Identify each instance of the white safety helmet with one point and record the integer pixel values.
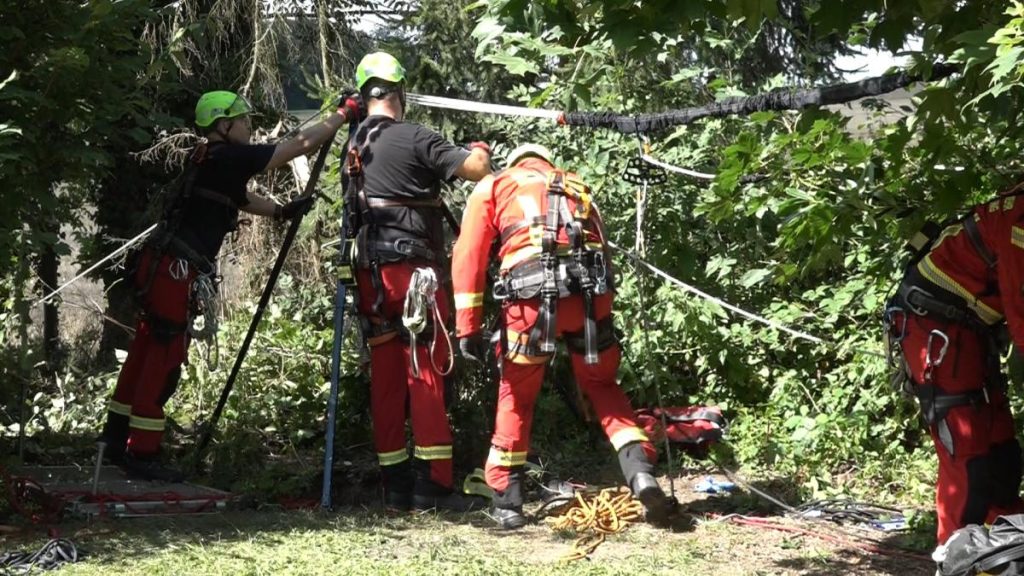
(523, 151)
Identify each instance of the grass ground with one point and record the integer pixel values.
(365, 541)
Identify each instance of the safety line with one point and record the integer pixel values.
(676, 169)
(749, 315)
(483, 107)
(110, 256)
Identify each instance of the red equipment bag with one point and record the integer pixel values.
(691, 428)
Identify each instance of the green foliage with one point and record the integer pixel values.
(812, 243)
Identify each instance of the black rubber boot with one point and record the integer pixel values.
(115, 436)
(451, 502)
(639, 474)
(397, 501)
(509, 518)
(151, 468)
(657, 506)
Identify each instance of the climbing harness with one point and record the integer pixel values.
(917, 295)
(421, 311)
(558, 272)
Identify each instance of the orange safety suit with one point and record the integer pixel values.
(945, 325)
(511, 207)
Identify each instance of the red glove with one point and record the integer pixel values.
(481, 145)
(350, 109)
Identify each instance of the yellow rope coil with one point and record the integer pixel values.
(594, 515)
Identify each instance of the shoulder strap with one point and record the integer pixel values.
(999, 558)
(974, 235)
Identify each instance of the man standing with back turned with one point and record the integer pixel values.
(555, 280)
(395, 171)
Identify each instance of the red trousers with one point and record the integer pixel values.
(395, 393)
(151, 371)
(521, 381)
(981, 478)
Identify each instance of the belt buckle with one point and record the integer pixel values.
(914, 308)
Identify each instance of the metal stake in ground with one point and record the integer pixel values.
(289, 238)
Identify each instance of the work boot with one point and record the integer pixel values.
(150, 468)
(397, 501)
(115, 436)
(656, 504)
(113, 449)
(451, 502)
(509, 518)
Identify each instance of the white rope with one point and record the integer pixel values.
(767, 322)
(420, 306)
(676, 169)
(112, 255)
(482, 107)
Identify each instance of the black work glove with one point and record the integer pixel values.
(473, 347)
(296, 207)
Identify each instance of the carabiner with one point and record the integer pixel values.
(928, 363)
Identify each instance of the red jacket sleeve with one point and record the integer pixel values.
(1008, 244)
(469, 258)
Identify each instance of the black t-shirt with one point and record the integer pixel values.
(406, 161)
(226, 171)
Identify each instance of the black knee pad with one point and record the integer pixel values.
(1005, 471)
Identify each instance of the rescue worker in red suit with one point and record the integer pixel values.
(395, 170)
(182, 252)
(945, 325)
(555, 281)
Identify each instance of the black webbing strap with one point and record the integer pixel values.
(988, 564)
(936, 404)
(542, 336)
(974, 235)
(511, 229)
(574, 229)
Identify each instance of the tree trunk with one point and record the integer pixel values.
(47, 271)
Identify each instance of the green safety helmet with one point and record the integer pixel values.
(213, 106)
(524, 151)
(379, 65)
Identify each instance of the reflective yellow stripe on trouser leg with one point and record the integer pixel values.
(433, 452)
(627, 436)
(119, 408)
(392, 458)
(149, 424)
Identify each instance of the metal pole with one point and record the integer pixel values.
(289, 238)
(332, 402)
(339, 335)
